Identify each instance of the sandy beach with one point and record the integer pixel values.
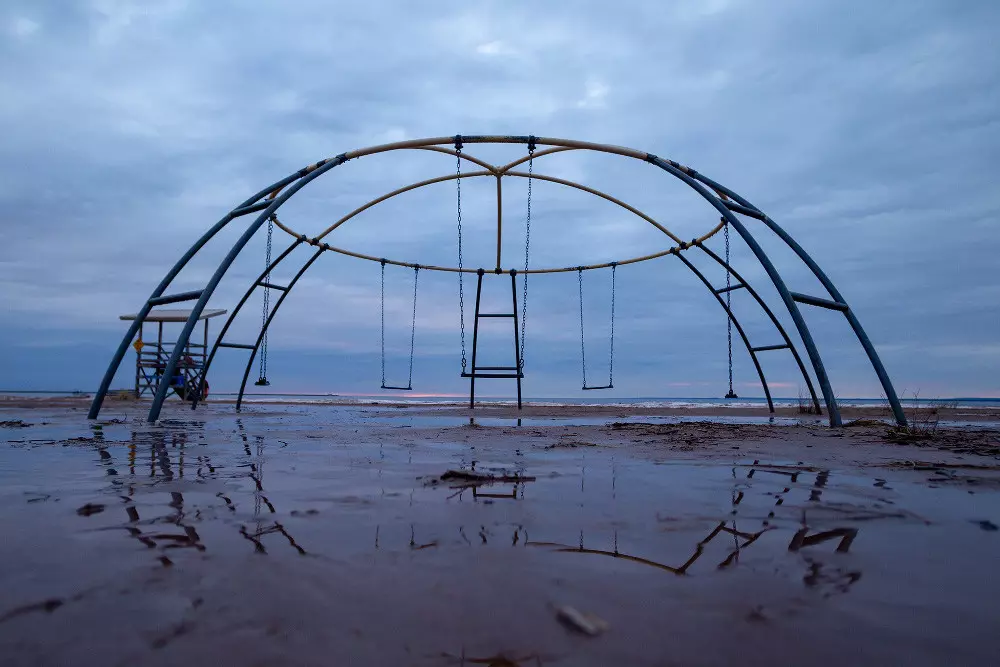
(373, 534)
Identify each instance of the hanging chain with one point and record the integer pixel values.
(383, 323)
(413, 325)
(611, 364)
(267, 300)
(583, 350)
(461, 291)
(527, 247)
(729, 319)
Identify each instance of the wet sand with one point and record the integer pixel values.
(318, 535)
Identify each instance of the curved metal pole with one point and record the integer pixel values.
(876, 361)
(736, 323)
(232, 316)
(302, 180)
(390, 195)
(116, 360)
(267, 323)
(774, 320)
(859, 331)
(800, 324)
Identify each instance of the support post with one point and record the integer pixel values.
(876, 361)
(499, 222)
(736, 323)
(239, 306)
(475, 341)
(116, 360)
(817, 361)
(774, 320)
(267, 323)
(517, 348)
(304, 177)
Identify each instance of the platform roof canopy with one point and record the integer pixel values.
(175, 315)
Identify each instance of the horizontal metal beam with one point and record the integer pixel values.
(281, 288)
(240, 346)
(495, 368)
(743, 210)
(765, 348)
(817, 301)
(509, 376)
(174, 298)
(730, 288)
(495, 315)
(252, 208)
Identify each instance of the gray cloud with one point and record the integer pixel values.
(868, 130)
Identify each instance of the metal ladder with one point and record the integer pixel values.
(489, 372)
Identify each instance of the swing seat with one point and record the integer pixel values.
(607, 386)
(731, 394)
(262, 382)
(389, 386)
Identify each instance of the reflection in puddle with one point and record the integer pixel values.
(434, 519)
(168, 462)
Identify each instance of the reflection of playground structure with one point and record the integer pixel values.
(159, 532)
(742, 539)
(176, 530)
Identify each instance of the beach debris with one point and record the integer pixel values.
(985, 524)
(498, 660)
(90, 509)
(572, 444)
(14, 423)
(308, 512)
(584, 623)
(47, 606)
(870, 423)
(477, 477)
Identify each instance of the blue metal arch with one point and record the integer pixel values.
(726, 203)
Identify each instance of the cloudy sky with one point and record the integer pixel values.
(869, 130)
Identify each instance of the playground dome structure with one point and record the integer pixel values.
(735, 214)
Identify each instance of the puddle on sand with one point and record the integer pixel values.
(230, 538)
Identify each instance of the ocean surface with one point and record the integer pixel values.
(638, 402)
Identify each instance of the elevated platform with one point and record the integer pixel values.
(174, 315)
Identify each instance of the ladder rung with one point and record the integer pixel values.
(174, 298)
(252, 208)
(495, 315)
(817, 301)
(511, 376)
(389, 386)
(273, 286)
(765, 348)
(736, 208)
(607, 386)
(730, 288)
(495, 368)
(240, 346)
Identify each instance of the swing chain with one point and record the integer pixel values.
(413, 326)
(527, 247)
(729, 318)
(583, 349)
(383, 323)
(267, 302)
(461, 290)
